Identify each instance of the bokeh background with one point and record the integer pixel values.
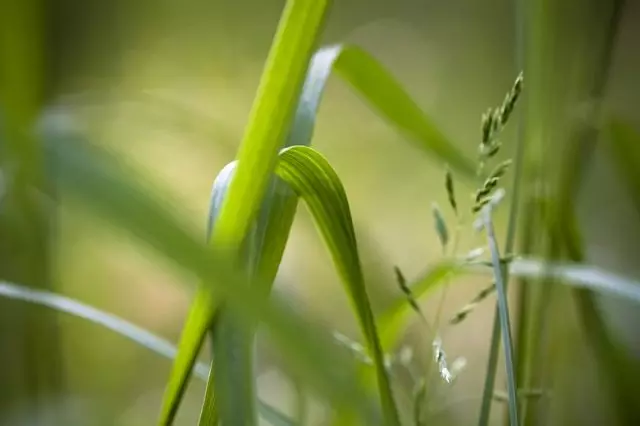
(169, 85)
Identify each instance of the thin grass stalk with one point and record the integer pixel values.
(498, 271)
(492, 362)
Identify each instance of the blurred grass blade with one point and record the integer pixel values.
(33, 369)
(124, 328)
(503, 308)
(313, 179)
(110, 189)
(395, 317)
(385, 95)
(377, 87)
(580, 276)
(104, 319)
(624, 144)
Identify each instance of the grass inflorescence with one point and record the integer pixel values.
(487, 195)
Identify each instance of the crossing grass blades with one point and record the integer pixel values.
(253, 203)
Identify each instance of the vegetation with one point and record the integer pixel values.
(253, 204)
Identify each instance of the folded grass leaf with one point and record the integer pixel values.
(108, 188)
(313, 179)
(378, 87)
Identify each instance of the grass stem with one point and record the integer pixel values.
(503, 311)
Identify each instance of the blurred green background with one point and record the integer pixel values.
(169, 85)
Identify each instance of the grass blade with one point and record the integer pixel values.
(269, 121)
(395, 317)
(504, 316)
(279, 206)
(624, 146)
(388, 98)
(125, 329)
(313, 179)
(32, 358)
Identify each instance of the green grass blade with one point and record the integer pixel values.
(34, 368)
(504, 317)
(624, 147)
(125, 329)
(110, 189)
(271, 116)
(621, 369)
(313, 179)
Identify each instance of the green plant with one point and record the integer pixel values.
(254, 200)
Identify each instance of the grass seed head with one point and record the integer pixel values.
(440, 225)
(487, 126)
(402, 283)
(464, 312)
(451, 195)
(500, 170)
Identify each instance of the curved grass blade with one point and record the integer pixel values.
(313, 179)
(125, 329)
(107, 187)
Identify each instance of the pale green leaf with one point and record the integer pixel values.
(270, 233)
